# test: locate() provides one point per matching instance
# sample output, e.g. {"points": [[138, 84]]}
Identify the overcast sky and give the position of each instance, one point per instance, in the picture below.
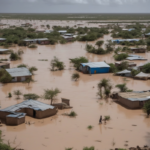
{"points": [[74, 6]]}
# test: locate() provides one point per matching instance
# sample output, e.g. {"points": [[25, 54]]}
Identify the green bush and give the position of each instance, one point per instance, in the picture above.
{"points": [[146, 68], [31, 96], [120, 57], [72, 114], [32, 46], [56, 64], [5, 76], [77, 61], [14, 56]]}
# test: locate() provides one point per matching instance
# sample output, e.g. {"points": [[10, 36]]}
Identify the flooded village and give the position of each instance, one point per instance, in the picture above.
{"points": [[52, 93]]}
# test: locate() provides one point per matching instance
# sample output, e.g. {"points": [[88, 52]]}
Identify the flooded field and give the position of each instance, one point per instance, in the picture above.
{"points": [[59, 132]]}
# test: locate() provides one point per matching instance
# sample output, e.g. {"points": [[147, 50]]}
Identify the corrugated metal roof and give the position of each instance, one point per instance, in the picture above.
{"points": [[33, 104], [16, 115], [19, 72], [34, 40], [123, 72], [136, 58], [2, 39], [136, 96], [142, 74], [123, 40], [4, 50], [96, 64], [62, 31]]}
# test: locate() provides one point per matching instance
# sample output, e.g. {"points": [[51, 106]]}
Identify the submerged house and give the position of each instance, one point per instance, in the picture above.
{"points": [[43, 41], [62, 31], [94, 67], [130, 64], [4, 65], [126, 73], [147, 35], [138, 50], [15, 115], [133, 100], [4, 51], [68, 36], [125, 40], [19, 74], [29, 41], [135, 57], [142, 75], [2, 40]]}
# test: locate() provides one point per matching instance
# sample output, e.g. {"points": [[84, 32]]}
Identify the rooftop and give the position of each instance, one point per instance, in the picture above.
{"points": [[2, 39], [19, 72], [96, 64], [33, 104], [136, 96], [4, 50]]}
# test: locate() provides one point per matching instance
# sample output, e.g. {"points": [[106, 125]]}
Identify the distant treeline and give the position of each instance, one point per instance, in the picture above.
{"points": [[76, 16]]}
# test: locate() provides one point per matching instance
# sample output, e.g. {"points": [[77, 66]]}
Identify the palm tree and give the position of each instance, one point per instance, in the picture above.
{"points": [[122, 87], [51, 94], [147, 108], [17, 93], [75, 76]]}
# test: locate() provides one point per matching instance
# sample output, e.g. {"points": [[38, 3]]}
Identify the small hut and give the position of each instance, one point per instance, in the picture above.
{"points": [[19, 74], [2, 40], [29, 41], [133, 100], [43, 41], [15, 118], [65, 104], [126, 73], [62, 31], [94, 67], [15, 114], [142, 75], [138, 50], [4, 51]]}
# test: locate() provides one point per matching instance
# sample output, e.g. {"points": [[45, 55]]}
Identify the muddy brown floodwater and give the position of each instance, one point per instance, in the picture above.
{"points": [[59, 132]]}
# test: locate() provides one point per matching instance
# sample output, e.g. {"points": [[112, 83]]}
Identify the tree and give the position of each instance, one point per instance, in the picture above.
{"points": [[32, 69], [75, 76], [51, 94], [123, 88], [77, 61], [147, 108], [31, 96], [5, 76], [22, 65], [134, 72], [14, 56], [120, 57], [146, 68], [99, 43], [17, 93], [104, 83], [28, 80], [56, 64]]}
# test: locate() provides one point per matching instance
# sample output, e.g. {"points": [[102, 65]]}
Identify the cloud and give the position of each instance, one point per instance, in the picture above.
{"points": [[100, 2], [119, 2]]}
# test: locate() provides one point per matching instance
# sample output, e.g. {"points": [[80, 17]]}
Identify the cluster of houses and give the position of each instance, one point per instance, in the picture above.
{"points": [[140, 75]]}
